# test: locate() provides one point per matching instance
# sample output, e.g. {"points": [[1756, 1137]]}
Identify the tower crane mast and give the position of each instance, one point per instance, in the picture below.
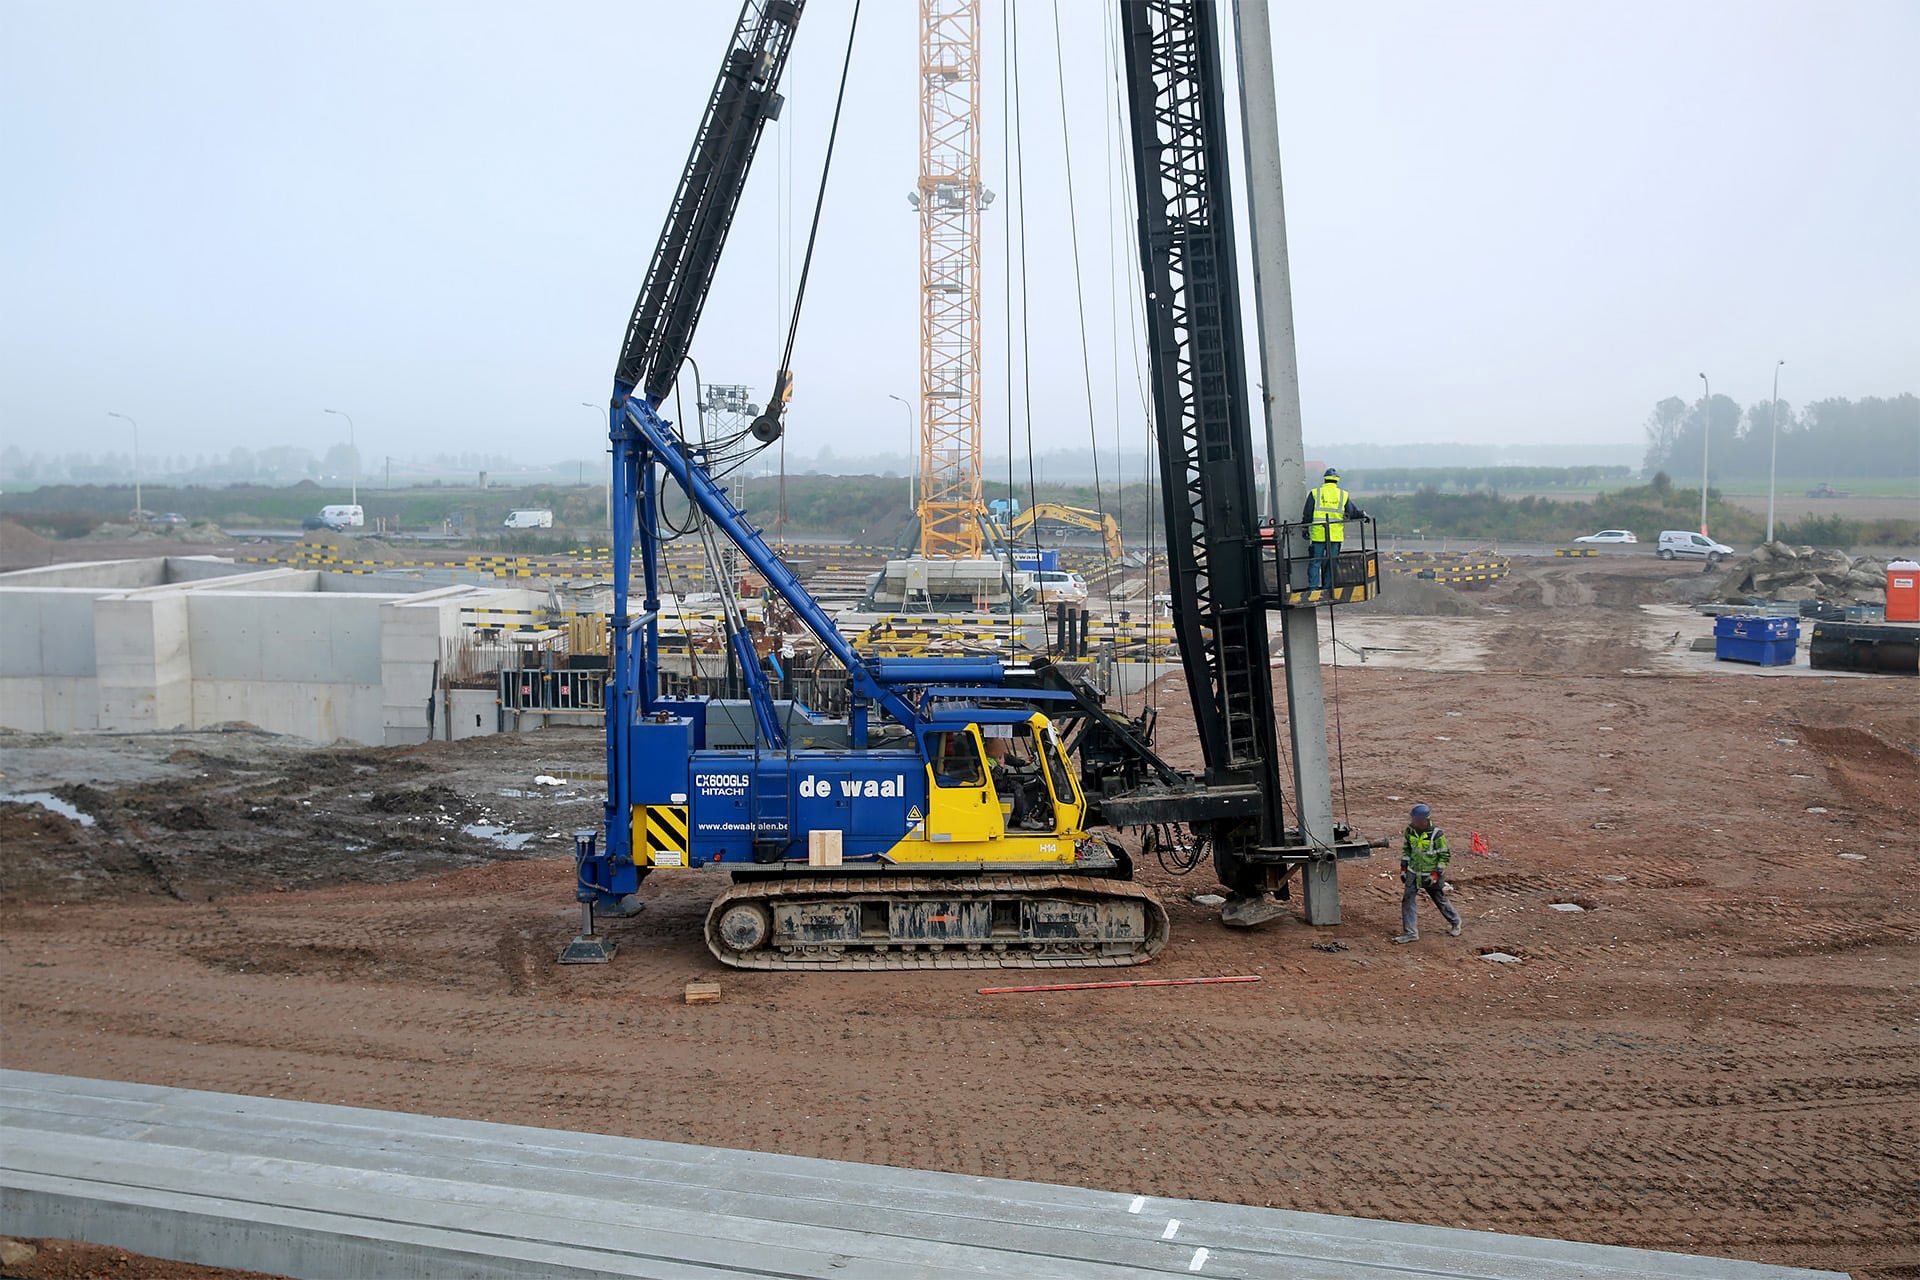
{"points": [[950, 200]]}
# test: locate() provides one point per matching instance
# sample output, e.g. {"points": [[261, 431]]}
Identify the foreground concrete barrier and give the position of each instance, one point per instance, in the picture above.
{"points": [[297, 1189]]}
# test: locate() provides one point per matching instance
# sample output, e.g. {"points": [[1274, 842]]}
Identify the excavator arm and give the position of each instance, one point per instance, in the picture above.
{"points": [[1078, 517]]}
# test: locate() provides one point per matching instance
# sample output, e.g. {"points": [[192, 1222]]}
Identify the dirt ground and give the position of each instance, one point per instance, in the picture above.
{"points": [[67, 1260], [1719, 1053]]}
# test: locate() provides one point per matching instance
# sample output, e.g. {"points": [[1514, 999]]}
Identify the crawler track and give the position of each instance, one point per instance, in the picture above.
{"points": [[936, 922]]}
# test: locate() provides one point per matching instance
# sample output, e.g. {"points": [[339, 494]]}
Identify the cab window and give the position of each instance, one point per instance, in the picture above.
{"points": [[1057, 773], [956, 760]]}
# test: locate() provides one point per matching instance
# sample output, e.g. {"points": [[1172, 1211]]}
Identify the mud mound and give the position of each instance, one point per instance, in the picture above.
{"points": [[21, 547], [184, 817], [1404, 596], [50, 857], [425, 799], [332, 768], [20, 823]]}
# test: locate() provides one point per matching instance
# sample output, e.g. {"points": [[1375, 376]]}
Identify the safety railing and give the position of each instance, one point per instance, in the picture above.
{"points": [[1298, 572], [582, 692]]}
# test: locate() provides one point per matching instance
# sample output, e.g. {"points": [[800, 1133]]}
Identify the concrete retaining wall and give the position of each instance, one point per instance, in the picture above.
{"points": [[306, 664], [139, 646], [47, 682], [142, 661], [418, 639]]}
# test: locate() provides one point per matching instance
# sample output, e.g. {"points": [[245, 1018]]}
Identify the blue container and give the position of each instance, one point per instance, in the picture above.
{"points": [[1764, 641], [1033, 561]]}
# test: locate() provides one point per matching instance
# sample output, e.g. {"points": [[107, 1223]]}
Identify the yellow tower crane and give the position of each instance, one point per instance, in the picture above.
{"points": [[950, 200]]}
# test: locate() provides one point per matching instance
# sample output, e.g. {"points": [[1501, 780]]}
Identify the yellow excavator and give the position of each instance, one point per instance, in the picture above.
{"points": [[1076, 517]]}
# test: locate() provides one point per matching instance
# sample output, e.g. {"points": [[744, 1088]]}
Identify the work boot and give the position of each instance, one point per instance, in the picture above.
{"points": [[1453, 930], [1407, 937]]}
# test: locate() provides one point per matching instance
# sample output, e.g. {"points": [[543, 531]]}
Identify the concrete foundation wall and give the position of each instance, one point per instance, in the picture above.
{"points": [[419, 636], [306, 664], [124, 575], [319, 712], [49, 704], [145, 645], [474, 712], [144, 664]]}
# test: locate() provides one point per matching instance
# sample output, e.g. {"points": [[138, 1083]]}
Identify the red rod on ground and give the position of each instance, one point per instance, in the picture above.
{"points": [[1132, 982]]}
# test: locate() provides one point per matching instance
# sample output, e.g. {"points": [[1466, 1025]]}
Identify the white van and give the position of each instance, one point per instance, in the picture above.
{"points": [[1684, 542], [528, 519], [344, 515]]}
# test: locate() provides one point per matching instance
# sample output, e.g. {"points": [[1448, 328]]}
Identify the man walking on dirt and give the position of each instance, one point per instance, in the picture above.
{"points": [[1423, 865], [1326, 512]]}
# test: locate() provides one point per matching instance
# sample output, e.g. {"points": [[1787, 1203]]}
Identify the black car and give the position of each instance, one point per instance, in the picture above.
{"points": [[319, 522]]}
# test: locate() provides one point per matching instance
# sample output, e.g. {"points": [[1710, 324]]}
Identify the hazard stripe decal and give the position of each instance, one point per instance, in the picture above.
{"points": [[667, 827]]}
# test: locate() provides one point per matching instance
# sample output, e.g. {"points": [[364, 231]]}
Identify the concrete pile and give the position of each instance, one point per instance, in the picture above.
{"points": [[1784, 574]]}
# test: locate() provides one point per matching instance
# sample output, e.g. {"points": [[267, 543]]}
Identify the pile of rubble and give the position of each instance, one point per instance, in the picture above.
{"points": [[1778, 572]]}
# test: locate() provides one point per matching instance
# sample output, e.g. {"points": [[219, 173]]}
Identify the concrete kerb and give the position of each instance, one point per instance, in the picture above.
{"points": [[299, 1189]]}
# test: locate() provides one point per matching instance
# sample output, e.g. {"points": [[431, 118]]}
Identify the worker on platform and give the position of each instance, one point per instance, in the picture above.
{"points": [[1423, 865], [1326, 513]]}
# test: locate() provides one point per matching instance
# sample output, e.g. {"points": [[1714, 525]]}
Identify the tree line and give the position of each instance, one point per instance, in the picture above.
{"points": [[1827, 439]]}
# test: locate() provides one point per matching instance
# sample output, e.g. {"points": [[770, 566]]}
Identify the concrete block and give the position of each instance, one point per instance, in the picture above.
{"points": [[475, 712], [298, 1189]]}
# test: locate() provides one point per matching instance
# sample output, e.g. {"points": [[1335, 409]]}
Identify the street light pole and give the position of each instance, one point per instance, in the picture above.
{"points": [[353, 447], [912, 463], [1706, 438], [137, 504], [1773, 446]]}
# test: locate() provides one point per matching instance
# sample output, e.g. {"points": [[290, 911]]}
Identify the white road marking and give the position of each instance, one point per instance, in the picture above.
{"points": [[1199, 1260], [1139, 1203], [1173, 1226]]}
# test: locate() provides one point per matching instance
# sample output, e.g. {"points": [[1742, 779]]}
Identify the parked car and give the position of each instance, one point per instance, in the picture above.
{"points": [[1684, 542], [319, 522], [169, 517], [1058, 586], [1618, 536]]}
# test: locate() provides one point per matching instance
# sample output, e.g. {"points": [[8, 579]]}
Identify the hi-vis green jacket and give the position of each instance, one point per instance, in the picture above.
{"points": [[1425, 850]]}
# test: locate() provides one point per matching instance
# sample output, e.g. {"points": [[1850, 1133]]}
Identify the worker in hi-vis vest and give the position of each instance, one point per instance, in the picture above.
{"points": [[1328, 509], [1424, 856]]}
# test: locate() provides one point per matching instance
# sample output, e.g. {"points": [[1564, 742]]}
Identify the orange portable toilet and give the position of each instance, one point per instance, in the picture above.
{"points": [[1903, 591]]}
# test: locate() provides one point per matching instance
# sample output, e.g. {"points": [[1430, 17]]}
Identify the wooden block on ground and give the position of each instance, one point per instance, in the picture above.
{"points": [[823, 848], [702, 992]]}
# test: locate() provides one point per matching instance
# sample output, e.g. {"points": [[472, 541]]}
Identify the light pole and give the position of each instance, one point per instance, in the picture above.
{"points": [[137, 505], [1773, 446], [598, 411], [1706, 437], [353, 447], [913, 464]]}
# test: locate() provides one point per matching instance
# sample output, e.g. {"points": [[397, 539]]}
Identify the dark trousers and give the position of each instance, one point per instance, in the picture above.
{"points": [[1320, 567], [1412, 882]]}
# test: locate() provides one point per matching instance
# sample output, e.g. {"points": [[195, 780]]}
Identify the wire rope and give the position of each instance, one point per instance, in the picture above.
{"points": [[1079, 287]]}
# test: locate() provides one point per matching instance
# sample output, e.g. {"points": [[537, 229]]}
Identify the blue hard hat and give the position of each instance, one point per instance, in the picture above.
{"points": [[1421, 811], [1331, 472]]}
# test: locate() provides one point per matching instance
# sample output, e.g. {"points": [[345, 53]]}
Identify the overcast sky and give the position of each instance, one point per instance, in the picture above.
{"points": [[1510, 221]]}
